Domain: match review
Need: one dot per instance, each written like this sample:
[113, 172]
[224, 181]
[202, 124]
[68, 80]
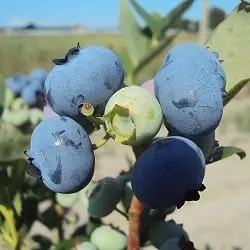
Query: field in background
[19, 54]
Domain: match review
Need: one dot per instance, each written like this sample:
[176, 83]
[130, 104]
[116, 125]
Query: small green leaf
[127, 197]
[148, 218]
[161, 231]
[221, 153]
[9, 229]
[144, 14]
[136, 43]
[43, 241]
[17, 203]
[16, 117]
[235, 54]
[153, 54]
[104, 197]
[9, 98]
[70, 243]
[234, 91]
[175, 14]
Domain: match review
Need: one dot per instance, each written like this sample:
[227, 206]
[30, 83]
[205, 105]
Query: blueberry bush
[92, 88]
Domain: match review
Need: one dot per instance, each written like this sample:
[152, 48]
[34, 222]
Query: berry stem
[100, 143]
[121, 212]
[135, 212]
[95, 120]
[88, 110]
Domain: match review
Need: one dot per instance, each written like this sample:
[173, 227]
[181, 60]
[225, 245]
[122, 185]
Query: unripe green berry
[86, 246]
[133, 116]
[107, 238]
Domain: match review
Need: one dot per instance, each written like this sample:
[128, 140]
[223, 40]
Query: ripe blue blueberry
[30, 94]
[169, 173]
[38, 74]
[17, 82]
[189, 89]
[89, 74]
[193, 51]
[206, 143]
[61, 155]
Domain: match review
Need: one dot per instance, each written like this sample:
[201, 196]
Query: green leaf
[17, 203]
[136, 43]
[127, 197]
[104, 197]
[2, 91]
[161, 231]
[221, 153]
[44, 242]
[234, 91]
[148, 218]
[231, 39]
[126, 61]
[69, 244]
[153, 54]
[49, 217]
[9, 98]
[9, 230]
[12, 173]
[16, 117]
[174, 15]
[144, 14]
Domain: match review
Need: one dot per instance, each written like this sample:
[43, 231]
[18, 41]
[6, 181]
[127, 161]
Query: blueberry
[193, 51]
[169, 173]
[29, 95]
[133, 116]
[190, 95]
[206, 143]
[60, 150]
[89, 74]
[37, 85]
[38, 74]
[17, 82]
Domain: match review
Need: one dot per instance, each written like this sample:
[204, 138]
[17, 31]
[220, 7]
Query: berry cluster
[29, 87]
[87, 85]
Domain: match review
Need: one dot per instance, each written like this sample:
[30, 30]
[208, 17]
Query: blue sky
[90, 13]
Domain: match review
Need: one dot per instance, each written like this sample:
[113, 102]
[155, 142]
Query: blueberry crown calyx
[71, 52]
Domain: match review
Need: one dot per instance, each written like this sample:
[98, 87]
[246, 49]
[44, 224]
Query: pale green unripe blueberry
[107, 238]
[86, 246]
[133, 116]
[67, 200]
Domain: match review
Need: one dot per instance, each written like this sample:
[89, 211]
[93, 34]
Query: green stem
[100, 143]
[88, 111]
[122, 213]
[95, 120]
[155, 42]
[130, 80]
